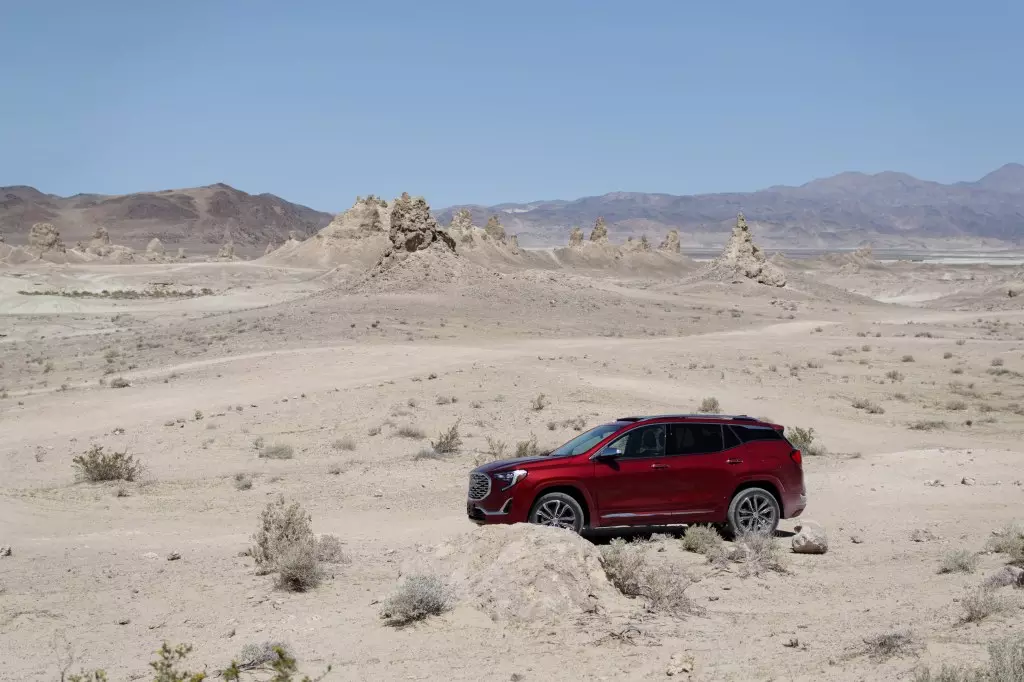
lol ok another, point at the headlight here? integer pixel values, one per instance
(509, 478)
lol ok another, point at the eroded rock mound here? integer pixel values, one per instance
(746, 259)
(155, 247)
(494, 229)
(227, 251)
(599, 234)
(671, 242)
(44, 238)
(355, 238)
(523, 573)
(636, 245)
(576, 237)
(100, 238)
(413, 228)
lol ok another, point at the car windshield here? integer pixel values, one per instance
(585, 441)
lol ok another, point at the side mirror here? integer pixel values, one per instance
(609, 454)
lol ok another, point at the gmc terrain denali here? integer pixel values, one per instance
(641, 471)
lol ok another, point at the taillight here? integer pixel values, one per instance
(796, 457)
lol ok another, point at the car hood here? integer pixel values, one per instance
(508, 464)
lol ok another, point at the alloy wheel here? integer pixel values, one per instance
(756, 514)
(555, 513)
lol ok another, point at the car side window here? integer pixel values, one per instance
(694, 439)
(646, 441)
(752, 433)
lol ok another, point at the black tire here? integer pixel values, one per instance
(557, 510)
(753, 510)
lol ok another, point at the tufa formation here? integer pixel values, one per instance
(671, 243)
(44, 238)
(576, 237)
(743, 256)
(494, 229)
(599, 234)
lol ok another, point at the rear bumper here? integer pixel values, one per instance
(794, 505)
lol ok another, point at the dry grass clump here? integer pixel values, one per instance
(709, 406)
(344, 443)
(446, 400)
(959, 561)
(96, 465)
(277, 451)
(868, 406)
(956, 405)
(298, 567)
(120, 382)
(629, 570)
(496, 449)
(528, 448)
(427, 453)
(804, 441)
(417, 597)
(285, 544)
(927, 425)
(893, 375)
(1005, 664)
(540, 402)
(329, 550)
(410, 431)
(756, 554)
(947, 355)
(1009, 540)
(996, 362)
(983, 602)
(907, 358)
(701, 539)
(253, 655)
(890, 644)
(448, 441)
(243, 481)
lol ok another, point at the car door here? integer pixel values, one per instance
(630, 483)
(700, 468)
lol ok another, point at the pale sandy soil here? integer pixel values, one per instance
(279, 354)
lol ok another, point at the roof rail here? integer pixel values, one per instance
(734, 417)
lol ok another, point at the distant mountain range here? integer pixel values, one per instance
(183, 217)
(888, 210)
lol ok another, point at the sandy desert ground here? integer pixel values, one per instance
(334, 365)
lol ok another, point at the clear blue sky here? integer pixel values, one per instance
(484, 102)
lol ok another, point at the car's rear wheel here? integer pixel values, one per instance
(557, 510)
(754, 510)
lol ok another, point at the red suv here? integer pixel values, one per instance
(644, 471)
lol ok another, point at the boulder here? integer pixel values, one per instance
(810, 538)
(1006, 576)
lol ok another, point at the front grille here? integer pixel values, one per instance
(479, 486)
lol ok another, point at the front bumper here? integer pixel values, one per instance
(479, 513)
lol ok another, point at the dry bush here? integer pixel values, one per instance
(983, 602)
(628, 569)
(756, 554)
(804, 441)
(701, 539)
(890, 644)
(868, 406)
(959, 561)
(1009, 540)
(956, 405)
(448, 441)
(893, 375)
(345, 443)
(253, 654)
(947, 355)
(446, 400)
(907, 358)
(1005, 664)
(243, 481)
(996, 362)
(417, 597)
(329, 550)
(709, 406)
(298, 567)
(120, 382)
(528, 448)
(96, 465)
(410, 431)
(427, 453)
(277, 451)
(282, 526)
(927, 425)
(540, 402)
(373, 431)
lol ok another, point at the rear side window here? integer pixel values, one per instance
(747, 434)
(693, 439)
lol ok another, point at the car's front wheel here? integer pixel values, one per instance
(557, 510)
(754, 510)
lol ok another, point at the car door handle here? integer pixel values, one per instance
(659, 466)
(734, 461)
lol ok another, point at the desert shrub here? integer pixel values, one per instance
(959, 561)
(197, 415)
(756, 554)
(329, 550)
(96, 465)
(253, 654)
(410, 431)
(282, 526)
(446, 400)
(893, 375)
(1005, 664)
(927, 425)
(868, 406)
(701, 539)
(628, 569)
(298, 566)
(983, 602)
(947, 355)
(496, 449)
(417, 597)
(411, 402)
(344, 443)
(528, 448)
(575, 423)
(427, 453)
(996, 362)
(804, 440)
(889, 644)
(956, 405)
(1009, 540)
(540, 402)
(709, 406)
(277, 451)
(907, 358)
(448, 441)
(243, 481)
(119, 382)
(373, 431)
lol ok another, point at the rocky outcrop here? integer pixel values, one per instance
(636, 245)
(746, 259)
(44, 238)
(599, 234)
(227, 251)
(413, 228)
(671, 242)
(494, 229)
(100, 239)
(576, 237)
